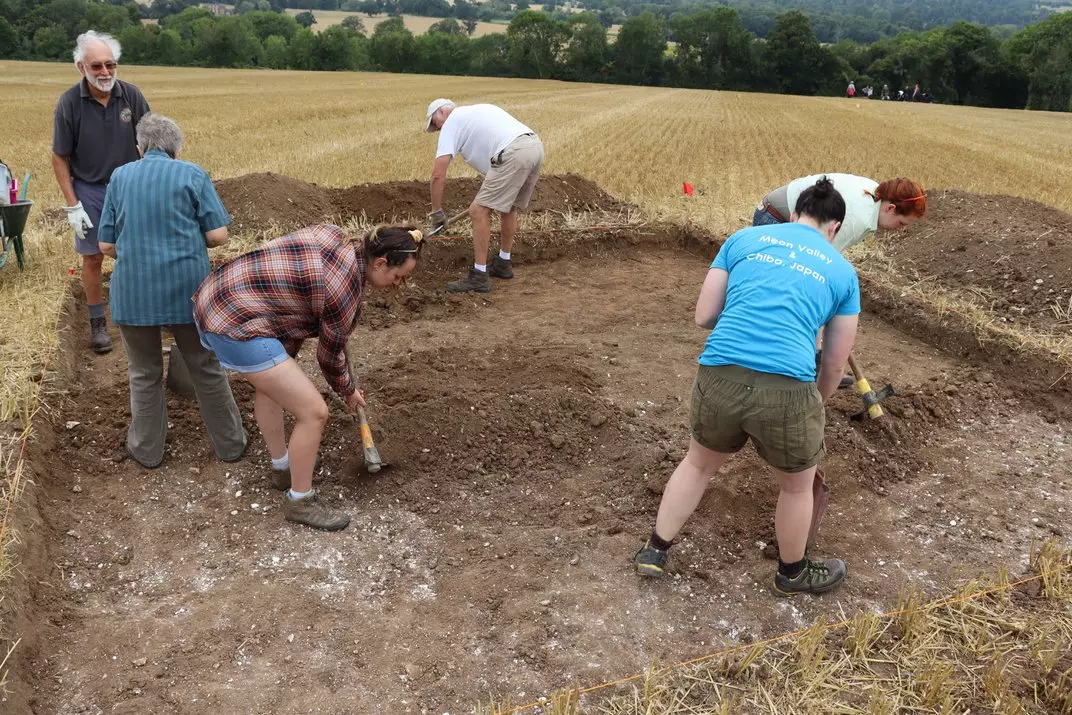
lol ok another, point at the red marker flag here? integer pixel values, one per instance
(688, 189)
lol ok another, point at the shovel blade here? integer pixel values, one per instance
(178, 375)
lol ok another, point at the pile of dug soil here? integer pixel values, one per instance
(260, 202)
(1015, 255)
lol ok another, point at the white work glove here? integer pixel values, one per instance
(79, 220)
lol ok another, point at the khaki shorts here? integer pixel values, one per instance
(513, 175)
(783, 417)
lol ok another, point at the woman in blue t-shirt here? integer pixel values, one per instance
(768, 293)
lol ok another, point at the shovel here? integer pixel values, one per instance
(820, 492)
(178, 375)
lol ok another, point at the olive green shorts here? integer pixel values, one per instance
(783, 417)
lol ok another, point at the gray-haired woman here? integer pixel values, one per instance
(160, 217)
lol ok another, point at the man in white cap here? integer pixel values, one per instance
(509, 155)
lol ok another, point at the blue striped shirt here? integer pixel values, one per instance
(156, 212)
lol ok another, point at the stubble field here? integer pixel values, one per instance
(533, 429)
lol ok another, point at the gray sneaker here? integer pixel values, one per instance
(281, 477)
(476, 281)
(99, 340)
(817, 577)
(313, 512)
(500, 268)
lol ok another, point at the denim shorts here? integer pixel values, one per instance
(763, 217)
(253, 355)
(92, 198)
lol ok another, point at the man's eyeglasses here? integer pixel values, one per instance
(98, 66)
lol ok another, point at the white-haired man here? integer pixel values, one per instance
(92, 136)
(509, 155)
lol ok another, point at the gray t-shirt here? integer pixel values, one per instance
(779, 201)
(97, 139)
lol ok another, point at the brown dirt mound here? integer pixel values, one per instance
(261, 202)
(1014, 254)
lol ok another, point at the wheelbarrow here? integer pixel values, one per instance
(12, 224)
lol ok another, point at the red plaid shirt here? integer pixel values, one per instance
(302, 285)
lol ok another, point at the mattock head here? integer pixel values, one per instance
(871, 403)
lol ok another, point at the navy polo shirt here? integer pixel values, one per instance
(97, 139)
(157, 212)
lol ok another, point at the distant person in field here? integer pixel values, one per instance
(509, 156)
(885, 91)
(92, 136)
(254, 313)
(160, 217)
(851, 91)
(915, 93)
(891, 205)
(768, 293)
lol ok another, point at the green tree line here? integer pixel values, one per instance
(833, 20)
(837, 20)
(705, 49)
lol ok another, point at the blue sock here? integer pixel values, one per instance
(96, 310)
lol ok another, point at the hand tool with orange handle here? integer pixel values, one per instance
(373, 463)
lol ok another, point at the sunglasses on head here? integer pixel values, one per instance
(98, 66)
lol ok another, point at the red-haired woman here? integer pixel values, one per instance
(891, 205)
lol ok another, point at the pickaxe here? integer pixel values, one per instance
(870, 397)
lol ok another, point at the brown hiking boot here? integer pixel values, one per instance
(99, 340)
(476, 281)
(281, 477)
(500, 268)
(313, 512)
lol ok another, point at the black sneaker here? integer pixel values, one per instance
(500, 268)
(476, 281)
(650, 561)
(817, 577)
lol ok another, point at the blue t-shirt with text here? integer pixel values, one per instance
(785, 282)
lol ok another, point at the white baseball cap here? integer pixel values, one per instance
(434, 107)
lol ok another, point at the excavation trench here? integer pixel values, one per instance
(532, 430)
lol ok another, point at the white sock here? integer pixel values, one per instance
(282, 463)
(482, 267)
(295, 496)
(505, 255)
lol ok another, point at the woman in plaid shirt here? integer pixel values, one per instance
(254, 313)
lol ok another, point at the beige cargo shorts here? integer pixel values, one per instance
(513, 175)
(783, 417)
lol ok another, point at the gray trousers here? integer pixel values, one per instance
(148, 404)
